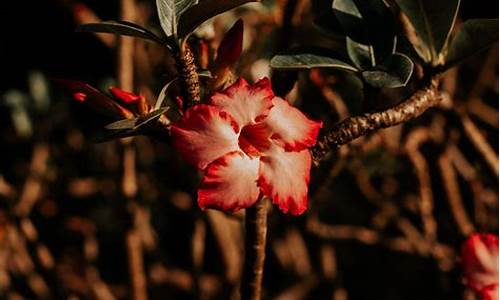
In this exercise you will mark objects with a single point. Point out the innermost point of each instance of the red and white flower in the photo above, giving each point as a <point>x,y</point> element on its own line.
<point>480,264</point>
<point>248,142</point>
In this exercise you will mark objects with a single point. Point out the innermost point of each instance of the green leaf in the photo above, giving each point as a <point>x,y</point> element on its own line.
<point>325,20</point>
<point>308,58</point>
<point>163,93</point>
<point>203,11</point>
<point>169,12</point>
<point>350,19</point>
<point>396,72</point>
<point>120,27</point>
<point>368,22</point>
<point>433,21</point>
<point>122,124</point>
<point>474,36</point>
<point>308,61</point>
<point>136,123</point>
<point>149,117</point>
<point>360,54</point>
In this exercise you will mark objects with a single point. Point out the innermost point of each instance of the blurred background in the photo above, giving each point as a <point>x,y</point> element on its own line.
<point>115,220</point>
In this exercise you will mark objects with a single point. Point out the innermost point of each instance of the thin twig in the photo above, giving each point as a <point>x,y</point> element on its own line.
<point>413,142</point>
<point>32,189</point>
<point>480,143</point>
<point>453,194</point>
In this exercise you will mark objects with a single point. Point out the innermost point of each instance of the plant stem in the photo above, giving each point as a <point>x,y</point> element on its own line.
<point>189,77</point>
<point>353,127</point>
<point>255,250</point>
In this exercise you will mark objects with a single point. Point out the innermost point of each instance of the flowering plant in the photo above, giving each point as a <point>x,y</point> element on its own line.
<point>248,141</point>
<point>252,145</point>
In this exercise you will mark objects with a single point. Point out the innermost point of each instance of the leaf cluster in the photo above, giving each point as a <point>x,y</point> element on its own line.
<point>370,29</point>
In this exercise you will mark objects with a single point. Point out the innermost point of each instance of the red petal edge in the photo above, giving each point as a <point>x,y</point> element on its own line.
<point>230,183</point>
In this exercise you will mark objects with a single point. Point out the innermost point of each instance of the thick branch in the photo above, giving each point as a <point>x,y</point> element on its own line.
<point>255,251</point>
<point>353,127</point>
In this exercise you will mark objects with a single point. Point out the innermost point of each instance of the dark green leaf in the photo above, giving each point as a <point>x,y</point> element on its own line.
<point>368,22</point>
<point>169,12</point>
<point>163,93</point>
<point>136,123</point>
<point>120,27</point>
<point>350,19</point>
<point>394,73</point>
<point>433,21</point>
<point>203,11</point>
<point>122,124</point>
<point>327,23</point>
<point>308,61</point>
<point>149,117</point>
<point>474,36</point>
<point>360,54</point>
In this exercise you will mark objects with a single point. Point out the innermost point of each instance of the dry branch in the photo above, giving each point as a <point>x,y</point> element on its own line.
<point>357,126</point>
<point>453,194</point>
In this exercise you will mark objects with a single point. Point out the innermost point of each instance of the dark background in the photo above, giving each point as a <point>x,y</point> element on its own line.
<point>39,35</point>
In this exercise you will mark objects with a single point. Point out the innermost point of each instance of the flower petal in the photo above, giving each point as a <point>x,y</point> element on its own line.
<point>246,103</point>
<point>292,129</point>
<point>230,183</point>
<point>480,261</point>
<point>204,134</point>
<point>284,176</point>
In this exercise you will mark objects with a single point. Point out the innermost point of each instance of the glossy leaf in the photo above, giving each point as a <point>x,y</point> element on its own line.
<point>121,28</point>
<point>316,58</point>
<point>368,22</point>
<point>433,21</point>
<point>474,36</point>
<point>396,72</point>
<point>327,23</point>
<point>122,124</point>
<point>203,11</point>
<point>350,19</point>
<point>169,12</point>
<point>360,54</point>
<point>138,122</point>
<point>151,116</point>
<point>163,93</point>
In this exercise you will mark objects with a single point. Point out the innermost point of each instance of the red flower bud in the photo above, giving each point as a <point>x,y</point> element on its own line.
<point>92,97</point>
<point>231,46</point>
<point>124,96</point>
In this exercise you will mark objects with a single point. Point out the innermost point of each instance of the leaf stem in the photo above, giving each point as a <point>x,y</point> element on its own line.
<point>255,250</point>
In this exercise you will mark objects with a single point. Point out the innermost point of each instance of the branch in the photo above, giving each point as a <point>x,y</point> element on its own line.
<point>255,250</point>
<point>353,127</point>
